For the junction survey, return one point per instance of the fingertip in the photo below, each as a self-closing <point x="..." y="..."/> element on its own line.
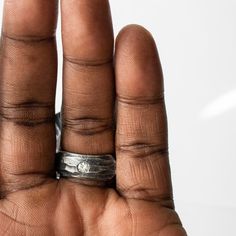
<point x="134" y="32"/>
<point x="30" y="18"/>
<point x="87" y="30"/>
<point x="137" y="61"/>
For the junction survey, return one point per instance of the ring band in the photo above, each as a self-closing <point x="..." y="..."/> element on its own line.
<point x="82" y="166"/>
<point x="86" y="167"/>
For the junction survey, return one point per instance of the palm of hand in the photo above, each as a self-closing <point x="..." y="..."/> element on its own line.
<point x="64" y="208"/>
<point x="102" y="112"/>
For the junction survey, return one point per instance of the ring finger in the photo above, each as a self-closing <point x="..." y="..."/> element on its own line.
<point x="88" y="80"/>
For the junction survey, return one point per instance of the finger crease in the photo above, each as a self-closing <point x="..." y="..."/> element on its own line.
<point x="29" y="38"/>
<point x="88" y="126"/>
<point x="8" y="188"/>
<point x="146" y="194"/>
<point x="28" y="113"/>
<point x="141" y="100"/>
<point x="142" y="150"/>
<point x="82" y="64"/>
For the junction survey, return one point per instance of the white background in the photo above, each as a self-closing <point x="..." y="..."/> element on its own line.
<point x="196" y="41"/>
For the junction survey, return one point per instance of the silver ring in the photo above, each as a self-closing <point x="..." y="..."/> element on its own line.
<point x="82" y="166"/>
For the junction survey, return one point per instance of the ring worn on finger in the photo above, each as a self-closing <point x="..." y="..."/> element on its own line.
<point x="95" y="168"/>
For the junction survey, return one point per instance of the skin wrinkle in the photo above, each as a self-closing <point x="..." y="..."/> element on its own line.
<point x="88" y="125"/>
<point x="15" y="50"/>
<point x="28" y="39"/>
<point x="141" y="101"/>
<point x="17" y="186"/>
<point x="14" y="220"/>
<point x="133" y="225"/>
<point x="88" y="63"/>
<point x="142" y="150"/>
<point x="170" y="221"/>
<point x="138" y="174"/>
<point x="84" y="66"/>
<point x="80" y="218"/>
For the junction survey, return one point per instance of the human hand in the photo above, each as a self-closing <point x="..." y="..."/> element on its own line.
<point x="33" y="201"/>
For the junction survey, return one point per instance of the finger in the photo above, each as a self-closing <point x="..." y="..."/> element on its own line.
<point x="27" y="93"/>
<point x="88" y="82"/>
<point x="141" y="137"/>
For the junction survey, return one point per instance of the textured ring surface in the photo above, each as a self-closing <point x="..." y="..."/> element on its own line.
<point x="86" y="167"/>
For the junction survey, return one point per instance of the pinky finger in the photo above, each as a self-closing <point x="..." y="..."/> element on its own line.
<point x="141" y="140"/>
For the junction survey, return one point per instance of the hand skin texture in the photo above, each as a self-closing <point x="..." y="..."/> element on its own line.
<point x="113" y="102"/>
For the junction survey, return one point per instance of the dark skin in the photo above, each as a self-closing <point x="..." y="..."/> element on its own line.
<point x="109" y="106"/>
